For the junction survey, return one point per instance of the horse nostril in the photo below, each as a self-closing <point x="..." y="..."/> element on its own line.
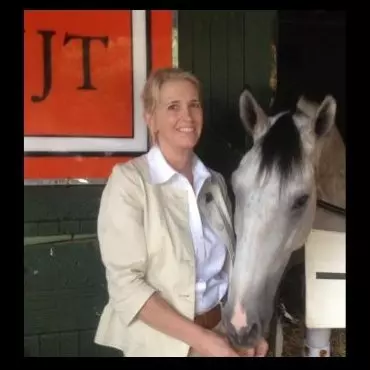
<point x="230" y="330"/>
<point x="245" y="336"/>
<point x="253" y="331"/>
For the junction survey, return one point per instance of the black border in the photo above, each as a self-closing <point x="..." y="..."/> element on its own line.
<point x="357" y="220"/>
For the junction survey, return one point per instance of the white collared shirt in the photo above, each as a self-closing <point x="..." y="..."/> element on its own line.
<point x="210" y="252"/>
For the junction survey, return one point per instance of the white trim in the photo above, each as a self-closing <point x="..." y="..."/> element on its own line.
<point x="139" y="42"/>
<point x="175" y="39"/>
<point x="82" y="144"/>
<point x="74" y="181"/>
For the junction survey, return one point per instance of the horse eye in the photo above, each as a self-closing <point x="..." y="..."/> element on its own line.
<point x="300" y="202"/>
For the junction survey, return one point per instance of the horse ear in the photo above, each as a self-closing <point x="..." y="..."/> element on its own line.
<point x="323" y="116"/>
<point x="251" y="114"/>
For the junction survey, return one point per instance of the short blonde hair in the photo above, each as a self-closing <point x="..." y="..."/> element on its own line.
<point x="158" y="78"/>
<point x="154" y="84"/>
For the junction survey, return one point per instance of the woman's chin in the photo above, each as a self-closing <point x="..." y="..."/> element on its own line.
<point x="189" y="145"/>
<point x="188" y="142"/>
<point x="182" y="141"/>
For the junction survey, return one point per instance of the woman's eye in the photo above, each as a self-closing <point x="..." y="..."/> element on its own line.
<point x="300" y="202"/>
<point x="174" y="106"/>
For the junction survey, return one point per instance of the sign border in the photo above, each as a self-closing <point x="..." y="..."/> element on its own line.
<point x="64" y="145"/>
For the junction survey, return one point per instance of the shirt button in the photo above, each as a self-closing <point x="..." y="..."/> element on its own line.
<point x="220" y="227"/>
<point x="200" y="286"/>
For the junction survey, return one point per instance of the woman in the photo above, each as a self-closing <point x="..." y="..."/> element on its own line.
<point x="166" y="236"/>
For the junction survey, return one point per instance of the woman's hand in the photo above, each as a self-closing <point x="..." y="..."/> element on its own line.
<point x="211" y="344"/>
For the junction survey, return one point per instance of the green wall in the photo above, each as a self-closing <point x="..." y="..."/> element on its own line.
<point x="227" y="50"/>
<point x="64" y="282"/>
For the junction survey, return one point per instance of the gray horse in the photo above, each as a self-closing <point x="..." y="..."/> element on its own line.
<point x="275" y="203"/>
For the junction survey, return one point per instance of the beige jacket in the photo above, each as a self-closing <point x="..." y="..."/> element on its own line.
<point x="146" y="246"/>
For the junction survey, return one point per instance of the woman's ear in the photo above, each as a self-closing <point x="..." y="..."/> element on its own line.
<point x="152" y="129"/>
<point x="150" y="121"/>
<point x="147" y="118"/>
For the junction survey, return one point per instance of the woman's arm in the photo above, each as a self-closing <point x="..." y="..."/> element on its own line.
<point x="158" y="314"/>
<point x="122" y="243"/>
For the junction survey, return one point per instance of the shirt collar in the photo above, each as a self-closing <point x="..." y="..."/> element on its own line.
<point x="161" y="171"/>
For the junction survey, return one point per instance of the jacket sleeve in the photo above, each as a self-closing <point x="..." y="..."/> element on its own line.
<point x="122" y="242"/>
<point x="225" y="194"/>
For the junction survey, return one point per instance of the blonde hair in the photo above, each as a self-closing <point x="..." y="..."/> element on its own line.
<point x="154" y="84"/>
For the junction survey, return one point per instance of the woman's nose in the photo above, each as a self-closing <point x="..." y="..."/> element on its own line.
<point x="187" y="114"/>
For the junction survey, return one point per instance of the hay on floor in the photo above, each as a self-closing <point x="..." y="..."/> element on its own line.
<point x="294" y="337"/>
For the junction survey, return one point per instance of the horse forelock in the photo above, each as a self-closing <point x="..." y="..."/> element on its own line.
<point x="281" y="148"/>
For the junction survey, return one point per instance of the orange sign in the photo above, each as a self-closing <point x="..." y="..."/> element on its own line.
<point x="84" y="72"/>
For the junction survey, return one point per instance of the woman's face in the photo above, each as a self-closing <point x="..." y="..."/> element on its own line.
<point x="178" y="117"/>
